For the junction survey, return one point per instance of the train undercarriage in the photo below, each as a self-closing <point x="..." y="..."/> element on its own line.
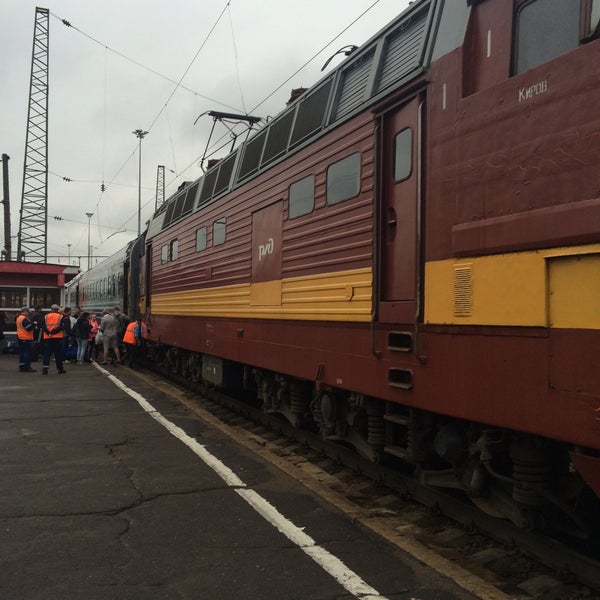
<point x="528" y="480"/>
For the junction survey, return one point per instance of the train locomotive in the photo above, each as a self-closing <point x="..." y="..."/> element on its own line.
<point x="407" y="258"/>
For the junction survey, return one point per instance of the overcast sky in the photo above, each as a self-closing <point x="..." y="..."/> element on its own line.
<point x="115" y="70"/>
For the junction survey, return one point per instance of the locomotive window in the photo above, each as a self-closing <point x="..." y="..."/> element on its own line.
<point x="311" y="113"/>
<point x="595" y="15"/>
<point x="302" y="197"/>
<point x="403" y="155"/>
<point x="219" y="227"/>
<point x="208" y="187"/>
<point x="169" y="215"/>
<point x="343" y="179"/>
<point x="201" y="239"/>
<point x="225" y="171"/>
<point x="252" y="154"/>
<point x="174" y="249"/>
<point x="178" y="207"/>
<point x="277" y="139"/>
<point x="164" y="254"/>
<point x="189" y="199"/>
<point x="546" y="29"/>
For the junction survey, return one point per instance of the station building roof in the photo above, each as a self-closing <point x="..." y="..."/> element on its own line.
<point x="13" y="273"/>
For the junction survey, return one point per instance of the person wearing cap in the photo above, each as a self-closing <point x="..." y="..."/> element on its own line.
<point x="54" y="331"/>
<point x="25" y="331"/>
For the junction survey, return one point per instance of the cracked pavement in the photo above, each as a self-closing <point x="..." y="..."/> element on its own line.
<point x="99" y="501"/>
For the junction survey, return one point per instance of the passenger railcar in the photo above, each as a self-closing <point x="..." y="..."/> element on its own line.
<point x="408" y="257"/>
<point x="113" y="282"/>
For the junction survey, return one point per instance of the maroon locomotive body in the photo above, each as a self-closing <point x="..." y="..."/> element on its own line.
<point x="408" y="257"/>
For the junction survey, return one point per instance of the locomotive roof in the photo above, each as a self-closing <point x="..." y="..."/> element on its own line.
<point x="397" y="54"/>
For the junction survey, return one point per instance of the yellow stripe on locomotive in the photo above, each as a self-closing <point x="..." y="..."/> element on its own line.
<point x="557" y="287"/>
<point x="342" y="296"/>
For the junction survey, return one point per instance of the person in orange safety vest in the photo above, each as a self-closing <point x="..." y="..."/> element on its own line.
<point x="132" y="341"/>
<point x="54" y="331"/>
<point x="25" y="334"/>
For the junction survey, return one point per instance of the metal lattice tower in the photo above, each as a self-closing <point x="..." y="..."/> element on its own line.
<point x="33" y="223"/>
<point x="160" y="187"/>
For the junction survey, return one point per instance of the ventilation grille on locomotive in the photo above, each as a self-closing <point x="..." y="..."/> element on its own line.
<point x="463" y="290"/>
<point x="354" y="87"/>
<point x="403" y="50"/>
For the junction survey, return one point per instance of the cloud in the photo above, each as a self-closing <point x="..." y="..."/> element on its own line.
<point x="98" y="96"/>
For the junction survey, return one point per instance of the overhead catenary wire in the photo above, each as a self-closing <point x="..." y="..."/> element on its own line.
<point x="214" y="147"/>
<point x="103" y="187"/>
<point x="138" y="63"/>
<point x="178" y="85"/>
<point x="163" y="108"/>
<point x="95" y="181"/>
<point x="314" y="56"/>
<point x="211" y="149"/>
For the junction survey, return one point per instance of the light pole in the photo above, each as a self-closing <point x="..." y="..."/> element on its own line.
<point x="69" y="253"/>
<point x="89" y="249"/>
<point x="140" y="136"/>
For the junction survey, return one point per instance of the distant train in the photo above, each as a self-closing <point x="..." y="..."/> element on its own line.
<point x="407" y="258"/>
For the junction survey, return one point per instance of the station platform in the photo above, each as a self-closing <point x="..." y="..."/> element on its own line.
<point x="110" y="489"/>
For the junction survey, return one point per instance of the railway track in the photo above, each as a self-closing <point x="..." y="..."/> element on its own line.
<point x="491" y="557"/>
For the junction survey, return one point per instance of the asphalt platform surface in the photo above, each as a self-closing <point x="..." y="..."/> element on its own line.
<point x="111" y="494"/>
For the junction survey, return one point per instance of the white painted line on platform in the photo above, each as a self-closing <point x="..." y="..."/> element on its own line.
<point x="354" y="584"/>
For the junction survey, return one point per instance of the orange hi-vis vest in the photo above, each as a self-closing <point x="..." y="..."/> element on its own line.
<point x="22" y="333"/>
<point x="129" y="337"/>
<point x="53" y="320"/>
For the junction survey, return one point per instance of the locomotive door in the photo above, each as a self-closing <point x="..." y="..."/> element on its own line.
<point x="399" y="213"/>
<point x="266" y="255"/>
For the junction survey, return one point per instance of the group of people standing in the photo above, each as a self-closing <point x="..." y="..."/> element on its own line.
<point x="58" y="333"/>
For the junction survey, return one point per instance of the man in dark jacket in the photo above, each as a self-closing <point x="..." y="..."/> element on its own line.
<point x="81" y="332"/>
<point x="37" y="347"/>
<point x="69" y="350"/>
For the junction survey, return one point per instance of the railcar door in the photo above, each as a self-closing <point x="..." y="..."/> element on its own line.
<point x="399" y="185"/>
